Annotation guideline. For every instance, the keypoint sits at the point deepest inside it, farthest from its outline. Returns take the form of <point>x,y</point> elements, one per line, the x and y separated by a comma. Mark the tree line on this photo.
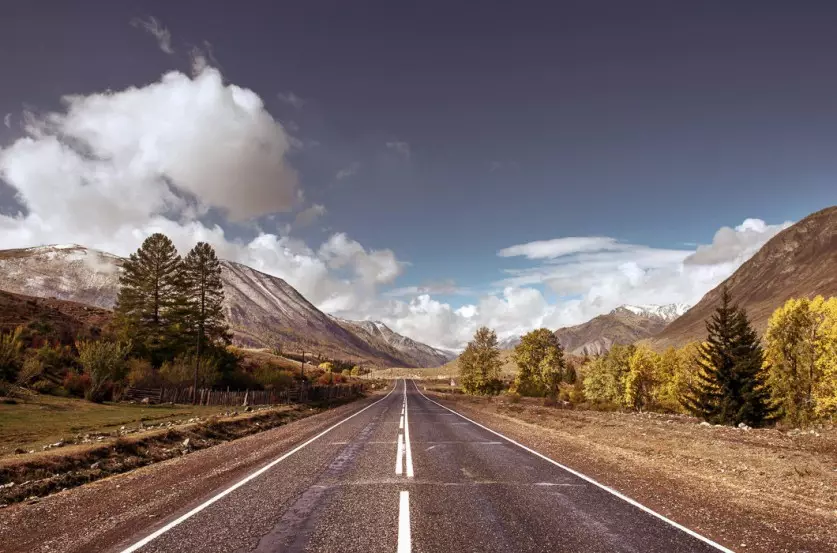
<point>732,377</point>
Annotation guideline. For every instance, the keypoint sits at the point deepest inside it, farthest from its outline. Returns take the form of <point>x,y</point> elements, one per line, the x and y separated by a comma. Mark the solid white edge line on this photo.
<point>151,537</point>
<point>408,449</point>
<point>404,541</point>
<point>399,457</point>
<point>587,478</point>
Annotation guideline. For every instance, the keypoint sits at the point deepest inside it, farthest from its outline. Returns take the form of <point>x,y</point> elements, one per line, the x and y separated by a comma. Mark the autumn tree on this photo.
<point>730,382</point>
<point>540,363</point>
<point>146,307</point>
<point>800,356</point>
<point>604,376</point>
<point>479,364</point>
<point>642,378</point>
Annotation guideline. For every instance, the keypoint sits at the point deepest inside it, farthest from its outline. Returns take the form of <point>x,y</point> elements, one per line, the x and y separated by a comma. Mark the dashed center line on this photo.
<point>404,541</point>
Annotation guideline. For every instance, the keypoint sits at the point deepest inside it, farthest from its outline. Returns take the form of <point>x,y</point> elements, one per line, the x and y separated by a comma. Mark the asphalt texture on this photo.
<point>467,489</point>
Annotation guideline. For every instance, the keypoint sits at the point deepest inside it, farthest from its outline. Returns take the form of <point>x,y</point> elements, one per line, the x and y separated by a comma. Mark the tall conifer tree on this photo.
<point>202,296</point>
<point>729,387</point>
<point>146,304</point>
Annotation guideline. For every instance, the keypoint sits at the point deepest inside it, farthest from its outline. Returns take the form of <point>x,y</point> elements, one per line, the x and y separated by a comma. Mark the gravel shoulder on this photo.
<point>96,516</point>
<point>750,490</point>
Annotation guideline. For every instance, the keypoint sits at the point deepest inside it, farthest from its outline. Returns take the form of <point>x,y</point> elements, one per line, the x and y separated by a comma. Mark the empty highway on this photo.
<point>404,473</point>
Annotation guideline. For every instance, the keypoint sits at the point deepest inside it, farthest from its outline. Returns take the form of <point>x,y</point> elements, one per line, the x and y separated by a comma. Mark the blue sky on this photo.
<point>428,138</point>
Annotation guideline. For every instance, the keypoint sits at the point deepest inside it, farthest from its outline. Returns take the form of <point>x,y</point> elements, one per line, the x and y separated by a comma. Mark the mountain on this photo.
<point>800,261</point>
<point>382,337</point>
<point>624,325</point>
<point>263,310</point>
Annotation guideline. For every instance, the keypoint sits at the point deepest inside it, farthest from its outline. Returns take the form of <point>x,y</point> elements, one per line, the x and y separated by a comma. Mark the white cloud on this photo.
<point>309,215</point>
<point>156,29</point>
<point>347,172</point>
<point>114,168</point>
<point>589,276</point>
<point>214,141</point>
<point>401,148</point>
<point>730,245</point>
<point>7,120</point>
<point>291,99</point>
<point>558,247</point>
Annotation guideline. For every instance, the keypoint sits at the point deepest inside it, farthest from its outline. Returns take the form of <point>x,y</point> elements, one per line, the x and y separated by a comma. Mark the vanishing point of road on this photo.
<point>404,473</point>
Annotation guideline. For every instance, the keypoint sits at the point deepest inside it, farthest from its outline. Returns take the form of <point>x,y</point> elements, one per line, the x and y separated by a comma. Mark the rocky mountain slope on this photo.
<point>382,338</point>
<point>624,325</point>
<point>263,310</point>
<point>799,261</point>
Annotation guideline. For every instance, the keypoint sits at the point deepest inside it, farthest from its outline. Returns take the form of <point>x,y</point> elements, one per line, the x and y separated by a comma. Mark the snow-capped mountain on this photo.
<point>624,325</point>
<point>667,312</point>
<point>263,310</point>
<point>380,335</point>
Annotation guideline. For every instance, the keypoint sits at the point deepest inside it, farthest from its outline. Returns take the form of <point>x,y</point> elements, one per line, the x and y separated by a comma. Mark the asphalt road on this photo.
<point>407,474</point>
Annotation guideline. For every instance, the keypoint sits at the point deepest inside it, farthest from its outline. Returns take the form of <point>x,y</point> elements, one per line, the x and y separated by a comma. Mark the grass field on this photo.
<point>37,420</point>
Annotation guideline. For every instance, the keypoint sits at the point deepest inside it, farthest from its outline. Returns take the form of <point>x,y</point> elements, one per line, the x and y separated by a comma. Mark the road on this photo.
<point>407,474</point>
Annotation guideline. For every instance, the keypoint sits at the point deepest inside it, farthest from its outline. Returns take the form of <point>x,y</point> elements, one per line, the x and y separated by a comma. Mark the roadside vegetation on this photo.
<point>168,329</point>
<point>733,377</point>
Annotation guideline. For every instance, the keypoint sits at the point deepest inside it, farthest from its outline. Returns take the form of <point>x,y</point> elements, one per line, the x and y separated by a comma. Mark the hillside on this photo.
<point>624,325</point>
<point>799,261</point>
<point>57,320</point>
<point>263,310</point>
<point>382,338</point>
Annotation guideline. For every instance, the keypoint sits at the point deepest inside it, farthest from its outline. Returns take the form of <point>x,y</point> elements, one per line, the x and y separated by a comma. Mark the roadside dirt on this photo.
<point>761,490</point>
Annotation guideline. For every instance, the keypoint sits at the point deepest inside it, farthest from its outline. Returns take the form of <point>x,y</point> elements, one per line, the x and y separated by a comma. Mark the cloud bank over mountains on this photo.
<point>191,156</point>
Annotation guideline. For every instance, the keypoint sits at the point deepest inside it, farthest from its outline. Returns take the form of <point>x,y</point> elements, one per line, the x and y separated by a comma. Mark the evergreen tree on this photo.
<point>729,385</point>
<point>202,298</point>
<point>147,300</point>
<point>479,364</point>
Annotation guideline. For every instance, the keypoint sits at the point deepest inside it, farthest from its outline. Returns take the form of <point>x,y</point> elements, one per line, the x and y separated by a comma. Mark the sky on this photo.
<point>431,165</point>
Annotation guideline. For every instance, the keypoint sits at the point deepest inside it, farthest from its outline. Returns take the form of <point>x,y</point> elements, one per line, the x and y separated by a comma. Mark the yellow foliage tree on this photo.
<point>801,358</point>
<point>642,378</point>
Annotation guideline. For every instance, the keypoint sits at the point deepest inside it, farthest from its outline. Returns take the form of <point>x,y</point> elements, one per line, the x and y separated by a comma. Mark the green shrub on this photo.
<point>274,379</point>
<point>142,375</point>
<point>181,371</point>
<point>105,363</point>
<point>11,356</point>
<point>31,369</point>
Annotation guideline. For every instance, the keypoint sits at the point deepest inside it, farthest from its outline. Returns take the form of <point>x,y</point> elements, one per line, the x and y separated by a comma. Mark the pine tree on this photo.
<point>729,386</point>
<point>479,364</point>
<point>202,297</point>
<point>146,304</point>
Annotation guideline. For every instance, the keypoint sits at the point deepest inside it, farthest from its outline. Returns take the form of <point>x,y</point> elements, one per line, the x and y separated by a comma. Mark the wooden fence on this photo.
<point>209,396</point>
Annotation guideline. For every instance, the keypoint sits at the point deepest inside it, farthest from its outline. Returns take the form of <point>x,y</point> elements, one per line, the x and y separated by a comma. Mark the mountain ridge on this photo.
<point>801,260</point>
<point>262,310</point>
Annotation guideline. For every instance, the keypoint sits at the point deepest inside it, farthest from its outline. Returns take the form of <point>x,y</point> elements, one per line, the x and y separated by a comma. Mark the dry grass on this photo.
<point>36,420</point>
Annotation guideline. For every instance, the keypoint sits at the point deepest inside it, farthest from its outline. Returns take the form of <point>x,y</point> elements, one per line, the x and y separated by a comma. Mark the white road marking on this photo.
<point>399,457</point>
<point>401,424</point>
<point>404,542</point>
<point>637,504</point>
<point>408,448</point>
<point>146,540</point>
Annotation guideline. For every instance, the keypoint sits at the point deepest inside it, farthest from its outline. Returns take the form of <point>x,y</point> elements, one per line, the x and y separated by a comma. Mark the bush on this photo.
<point>11,356</point>
<point>142,375</point>
<point>43,387</point>
<point>77,384</point>
<point>181,371</point>
<point>274,379</point>
<point>105,363</point>
<point>32,368</point>
<point>513,397</point>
